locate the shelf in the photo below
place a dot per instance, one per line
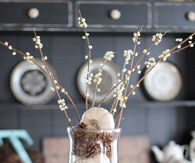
(153, 14)
(160, 104)
(130, 104)
(106, 30)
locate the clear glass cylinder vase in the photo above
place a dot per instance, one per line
(93, 146)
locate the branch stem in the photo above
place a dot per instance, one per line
(51, 78)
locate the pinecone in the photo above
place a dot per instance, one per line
(106, 139)
(92, 149)
(80, 140)
(88, 144)
(82, 126)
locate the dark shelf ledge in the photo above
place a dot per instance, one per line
(110, 30)
(185, 103)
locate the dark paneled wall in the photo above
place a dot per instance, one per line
(161, 124)
(66, 53)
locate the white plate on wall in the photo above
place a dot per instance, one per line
(109, 78)
(164, 82)
(30, 85)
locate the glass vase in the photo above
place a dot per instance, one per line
(93, 146)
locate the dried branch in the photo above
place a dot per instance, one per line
(44, 71)
(156, 40)
(136, 41)
(162, 57)
(148, 48)
(108, 93)
(96, 83)
(51, 78)
(84, 26)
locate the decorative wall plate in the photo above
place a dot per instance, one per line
(30, 85)
(109, 75)
(164, 82)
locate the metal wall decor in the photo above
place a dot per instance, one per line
(110, 78)
(29, 85)
(164, 82)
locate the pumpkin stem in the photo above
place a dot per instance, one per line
(94, 123)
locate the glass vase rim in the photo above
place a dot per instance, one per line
(117, 130)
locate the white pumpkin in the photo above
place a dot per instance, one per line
(99, 158)
(98, 118)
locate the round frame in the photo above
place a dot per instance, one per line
(111, 70)
(18, 91)
(164, 82)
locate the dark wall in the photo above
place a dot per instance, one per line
(160, 121)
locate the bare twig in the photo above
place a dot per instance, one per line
(148, 48)
(51, 78)
(96, 83)
(88, 64)
(42, 69)
(108, 93)
(115, 103)
(151, 68)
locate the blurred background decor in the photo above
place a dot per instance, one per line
(12, 149)
(164, 83)
(133, 149)
(110, 71)
(30, 85)
(175, 153)
(57, 23)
